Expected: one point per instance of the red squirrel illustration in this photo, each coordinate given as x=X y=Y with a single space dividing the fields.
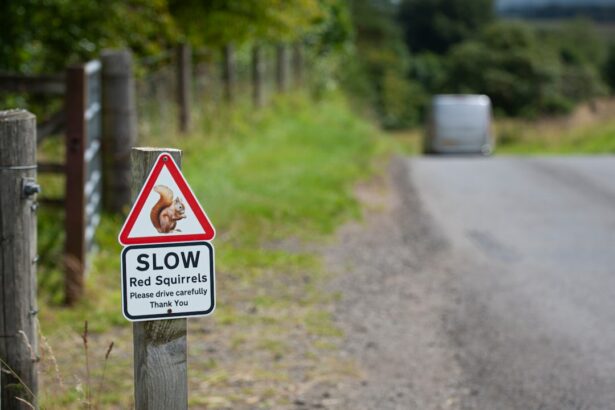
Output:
x=167 y=211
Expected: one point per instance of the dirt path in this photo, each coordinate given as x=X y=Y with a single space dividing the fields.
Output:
x=392 y=310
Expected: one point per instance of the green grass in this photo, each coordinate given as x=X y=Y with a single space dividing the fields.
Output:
x=556 y=138
x=270 y=181
x=286 y=172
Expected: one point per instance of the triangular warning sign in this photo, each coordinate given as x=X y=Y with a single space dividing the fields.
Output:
x=166 y=210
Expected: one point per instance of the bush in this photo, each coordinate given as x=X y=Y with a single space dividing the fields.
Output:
x=436 y=25
x=521 y=72
x=402 y=101
x=429 y=70
x=504 y=63
x=609 y=68
x=379 y=73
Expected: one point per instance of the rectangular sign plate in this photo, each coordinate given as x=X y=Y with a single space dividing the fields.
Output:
x=168 y=281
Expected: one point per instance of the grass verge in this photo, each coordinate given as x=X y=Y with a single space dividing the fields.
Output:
x=271 y=181
x=524 y=138
x=588 y=130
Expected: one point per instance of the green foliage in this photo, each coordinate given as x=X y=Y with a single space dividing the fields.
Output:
x=402 y=101
x=436 y=25
x=523 y=72
x=216 y=22
x=582 y=54
x=284 y=172
x=329 y=48
x=47 y=35
x=429 y=70
x=458 y=48
x=294 y=175
x=609 y=68
x=577 y=41
x=379 y=74
x=270 y=180
x=522 y=137
x=526 y=70
x=506 y=63
x=334 y=31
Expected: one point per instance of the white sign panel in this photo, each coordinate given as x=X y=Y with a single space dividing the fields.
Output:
x=168 y=281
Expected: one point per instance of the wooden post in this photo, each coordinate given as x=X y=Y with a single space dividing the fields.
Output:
x=161 y=374
x=282 y=68
x=298 y=65
x=257 y=77
x=18 y=331
x=202 y=74
x=119 y=116
x=184 y=86
x=228 y=72
x=74 y=255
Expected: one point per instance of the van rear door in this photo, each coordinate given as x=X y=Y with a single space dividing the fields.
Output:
x=460 y=123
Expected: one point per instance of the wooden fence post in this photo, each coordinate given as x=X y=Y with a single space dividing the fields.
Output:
x=160 y=369
x=74 y=258
x=202 y=77
x=18 y=327
x=298 y=65
x=184 y=86
x=119 y=116
x=281 y=67
x=257 y=76
x=228 y=72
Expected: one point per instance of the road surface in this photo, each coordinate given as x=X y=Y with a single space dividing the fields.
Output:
x=530 y=256
x=479 y=283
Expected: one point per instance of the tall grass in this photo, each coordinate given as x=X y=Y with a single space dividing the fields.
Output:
x=556 y=138
x=267 y=179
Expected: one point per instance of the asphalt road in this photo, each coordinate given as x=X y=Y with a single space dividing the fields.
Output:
x=530 y=256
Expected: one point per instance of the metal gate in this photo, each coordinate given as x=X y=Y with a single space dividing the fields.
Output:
x=83 y=169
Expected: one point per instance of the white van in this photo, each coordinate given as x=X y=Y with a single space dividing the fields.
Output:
x=459 y=124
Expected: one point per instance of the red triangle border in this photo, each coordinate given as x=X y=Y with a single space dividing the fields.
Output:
x=166 y=160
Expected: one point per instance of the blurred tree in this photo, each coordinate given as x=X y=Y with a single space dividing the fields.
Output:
x=12 y=36
x=582 y=52
x=511 y=64
x=609 y=68
x=429 y=70
x=333 y=31
x=46 y=35
x=217 y=22
x=436 y=25
x=504 y=63
x=380 y=73
x=577 y=41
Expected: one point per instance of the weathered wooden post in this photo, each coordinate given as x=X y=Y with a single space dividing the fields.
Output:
x=228 y=72
x=257 y=76
x=18 y=332
x=161 y=374
x=281 y=59
x=297 y=65
x=184 y=86
x=119 y=116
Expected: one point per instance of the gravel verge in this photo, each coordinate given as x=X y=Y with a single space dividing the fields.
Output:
x=394 y=306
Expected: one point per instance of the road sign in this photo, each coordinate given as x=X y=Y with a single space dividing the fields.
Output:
x=168 y=281
x=166 y=210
